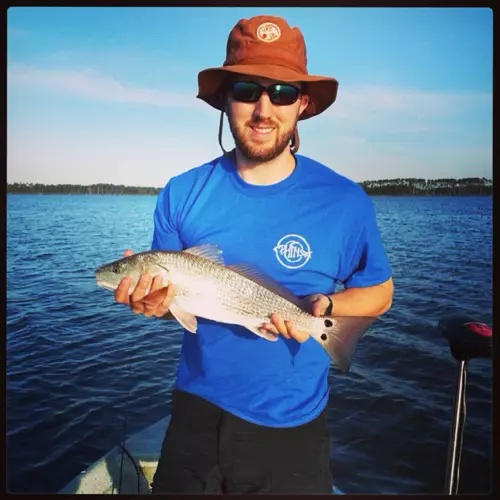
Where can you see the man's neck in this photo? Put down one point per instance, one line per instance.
(267, 173)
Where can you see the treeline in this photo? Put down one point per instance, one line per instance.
(468, 186)
(29, 188)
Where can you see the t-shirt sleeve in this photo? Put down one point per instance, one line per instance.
(165, 233)
(370, 264)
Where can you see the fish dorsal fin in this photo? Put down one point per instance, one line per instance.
(207, 251)
(259, 277)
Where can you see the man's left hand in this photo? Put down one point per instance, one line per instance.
(316, 304)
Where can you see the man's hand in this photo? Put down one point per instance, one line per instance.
(316, 304)
(155, 303)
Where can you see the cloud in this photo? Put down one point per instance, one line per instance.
(117, 158)
(89, 84)
(361, 159)
(405, 110)
(370, 132)
(130, 59)
(428, 104)
(361, 108)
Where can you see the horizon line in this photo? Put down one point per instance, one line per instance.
(417, 179)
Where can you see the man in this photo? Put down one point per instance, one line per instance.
(249, 415)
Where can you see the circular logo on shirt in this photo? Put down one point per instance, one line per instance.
(268, 32)
(292, 251)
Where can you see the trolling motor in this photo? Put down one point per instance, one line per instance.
(468, 339)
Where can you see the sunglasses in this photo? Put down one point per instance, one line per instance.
(279, 93)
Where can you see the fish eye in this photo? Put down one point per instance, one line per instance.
(116, 269)
(328, 323)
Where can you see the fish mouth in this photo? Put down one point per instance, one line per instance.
(105, 284)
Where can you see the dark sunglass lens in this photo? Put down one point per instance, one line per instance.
(283, 94)
(246, 91)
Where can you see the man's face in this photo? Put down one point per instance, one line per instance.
(262, 130)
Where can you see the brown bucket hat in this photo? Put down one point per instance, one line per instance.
(268, 47)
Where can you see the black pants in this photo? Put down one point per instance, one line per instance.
(208, 450)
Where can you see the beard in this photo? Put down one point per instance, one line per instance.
(263, 152)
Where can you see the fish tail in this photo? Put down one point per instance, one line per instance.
(340, 335)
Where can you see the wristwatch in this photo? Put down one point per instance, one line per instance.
(329, 309)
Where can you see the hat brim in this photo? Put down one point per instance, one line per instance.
(322, 90)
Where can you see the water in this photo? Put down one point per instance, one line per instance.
(78, 365)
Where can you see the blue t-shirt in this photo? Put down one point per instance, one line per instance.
(310, 232)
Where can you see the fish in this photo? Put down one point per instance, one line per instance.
(239, 294)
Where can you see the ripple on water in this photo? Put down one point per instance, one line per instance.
(79, 367)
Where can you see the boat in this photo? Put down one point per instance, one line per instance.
(129, 467)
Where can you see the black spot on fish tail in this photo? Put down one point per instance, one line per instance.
(341, 336)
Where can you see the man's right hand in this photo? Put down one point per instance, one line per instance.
(155, 303)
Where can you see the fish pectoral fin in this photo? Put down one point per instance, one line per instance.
(264, 335)
(187, 320)
(164, 275)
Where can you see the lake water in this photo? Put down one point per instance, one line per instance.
(79, 365)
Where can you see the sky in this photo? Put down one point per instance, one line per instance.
(108, 94)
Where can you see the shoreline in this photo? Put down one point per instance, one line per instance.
(469, 186)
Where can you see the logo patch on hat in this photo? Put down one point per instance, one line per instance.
(268, 32)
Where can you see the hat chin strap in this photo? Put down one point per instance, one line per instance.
(294, 145)
(221, 123)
